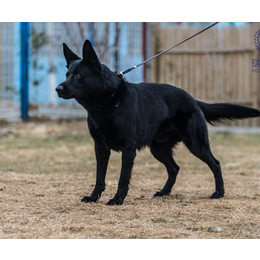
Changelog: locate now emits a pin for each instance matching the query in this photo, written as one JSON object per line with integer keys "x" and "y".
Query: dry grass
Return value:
{"x": 45, "y": 169}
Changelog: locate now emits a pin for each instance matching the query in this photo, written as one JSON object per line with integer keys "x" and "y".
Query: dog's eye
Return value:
{"x": 77, "y": 75}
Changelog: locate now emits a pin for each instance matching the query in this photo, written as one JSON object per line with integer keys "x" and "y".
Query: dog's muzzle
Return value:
{"x": 59, "y": 90}
{"x": 63, "y": 92}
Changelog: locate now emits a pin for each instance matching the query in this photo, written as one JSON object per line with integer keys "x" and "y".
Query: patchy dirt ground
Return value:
{"x": 46, "y": 168}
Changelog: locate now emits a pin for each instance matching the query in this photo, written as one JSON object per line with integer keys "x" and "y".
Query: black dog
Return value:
{"x": 124, "y": 117}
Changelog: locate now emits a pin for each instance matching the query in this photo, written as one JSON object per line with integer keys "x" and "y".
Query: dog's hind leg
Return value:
{"x": 195, "y": 138}
{"x": 163, "y": 153}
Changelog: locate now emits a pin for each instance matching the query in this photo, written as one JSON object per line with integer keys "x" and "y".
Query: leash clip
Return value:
{"x": 121, "y": 74}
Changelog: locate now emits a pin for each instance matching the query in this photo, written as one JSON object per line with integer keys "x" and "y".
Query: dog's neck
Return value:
{"x": 107, "y": 100}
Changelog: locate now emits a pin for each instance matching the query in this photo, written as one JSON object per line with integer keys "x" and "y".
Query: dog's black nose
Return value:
{"x": 59, "y": 88}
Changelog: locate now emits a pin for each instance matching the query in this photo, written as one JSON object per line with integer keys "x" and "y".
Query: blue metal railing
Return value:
{"x": 25, "y": 34}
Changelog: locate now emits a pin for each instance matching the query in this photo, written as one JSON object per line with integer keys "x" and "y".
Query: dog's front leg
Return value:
{"x": 128, "y": 156}
{"x": 102, "y": 157}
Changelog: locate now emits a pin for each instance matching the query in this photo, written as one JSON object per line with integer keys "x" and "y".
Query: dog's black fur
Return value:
{"x": 124, "y": 117}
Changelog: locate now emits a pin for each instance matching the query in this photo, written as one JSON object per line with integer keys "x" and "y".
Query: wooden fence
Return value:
{"x": 215, "y": 66}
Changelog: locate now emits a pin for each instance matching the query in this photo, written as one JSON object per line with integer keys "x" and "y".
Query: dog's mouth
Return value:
{"x": 64, "y": 96}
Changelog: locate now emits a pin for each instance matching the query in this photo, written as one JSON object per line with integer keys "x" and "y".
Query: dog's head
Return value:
{"x": 83, "y": 76}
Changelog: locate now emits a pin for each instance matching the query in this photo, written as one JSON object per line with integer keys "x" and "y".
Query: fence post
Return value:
{"x": 24, "y": 76}
{"x": 155, "y": 69}
{"x": 144, "y": 49}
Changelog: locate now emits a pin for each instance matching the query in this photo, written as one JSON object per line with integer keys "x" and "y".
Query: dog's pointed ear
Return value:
{"x": 90, "y": 57}
{"x": 69, "y": 55}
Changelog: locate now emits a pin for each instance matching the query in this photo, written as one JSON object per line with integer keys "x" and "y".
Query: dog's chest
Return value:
{"x": 107, "y": 132}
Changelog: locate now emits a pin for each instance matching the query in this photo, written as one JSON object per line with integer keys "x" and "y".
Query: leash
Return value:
{"x": 122, "y": 73}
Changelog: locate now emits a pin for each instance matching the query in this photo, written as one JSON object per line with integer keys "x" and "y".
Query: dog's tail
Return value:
{"x": 225, "y": 111}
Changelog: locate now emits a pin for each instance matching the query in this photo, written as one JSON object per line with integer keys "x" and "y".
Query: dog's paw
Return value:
{"x": 158, "y": 194}
{"x": 217, "y": 195}
{"x": 161, "y": 194}
{"x": 87, "y": 199}
{"x": 115, "y": 202}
